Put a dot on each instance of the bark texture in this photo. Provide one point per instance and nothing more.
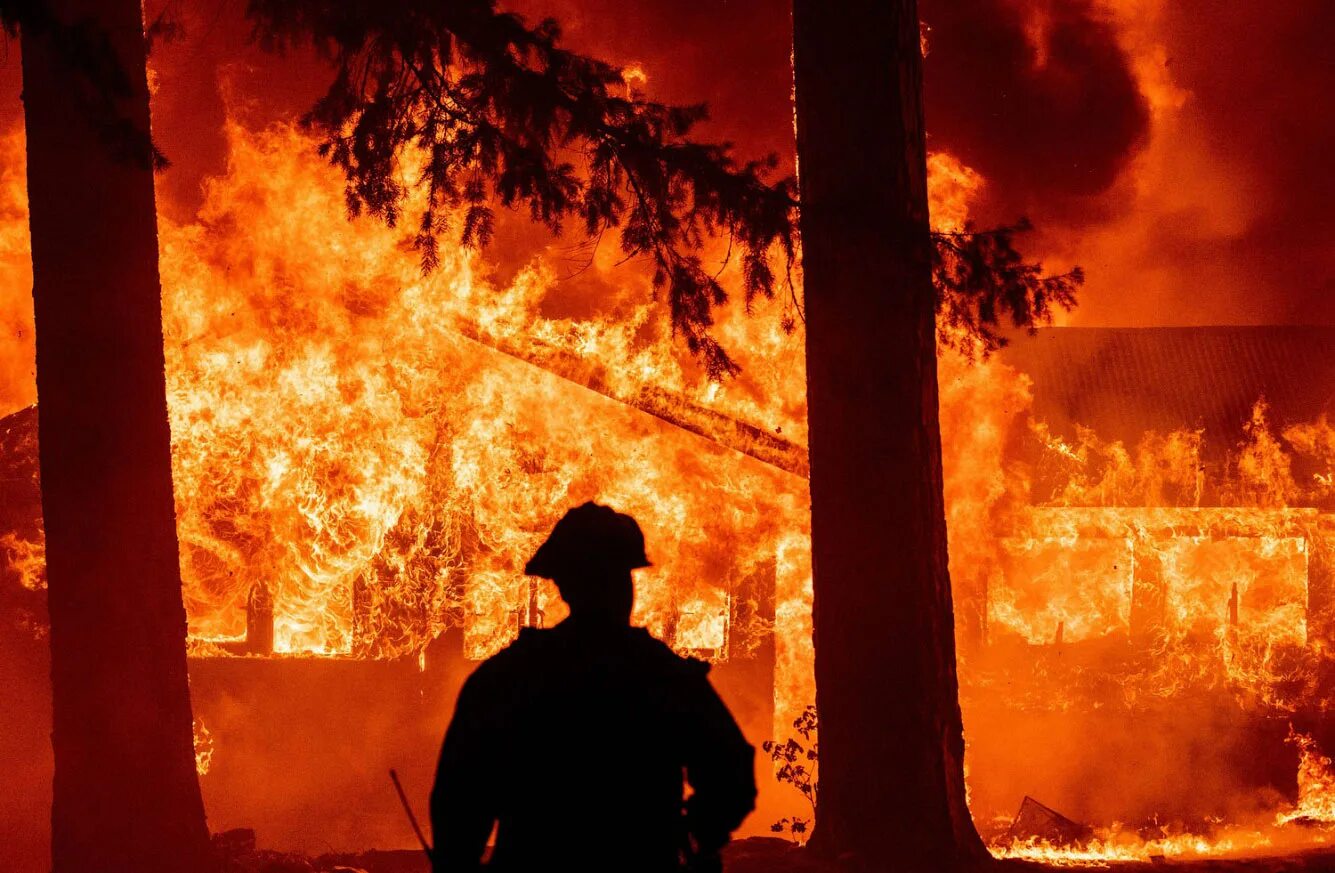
(891, 742)
(126, 796)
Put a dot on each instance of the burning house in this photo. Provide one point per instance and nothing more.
(1179, 428)
(1154, 620)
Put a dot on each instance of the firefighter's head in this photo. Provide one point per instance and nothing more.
(590, 555)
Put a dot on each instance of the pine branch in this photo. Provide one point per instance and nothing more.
(983, 283)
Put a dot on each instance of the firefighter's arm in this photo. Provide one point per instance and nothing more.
(720, 765)
(462, 809)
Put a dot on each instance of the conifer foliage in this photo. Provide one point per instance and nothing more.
(498, 112)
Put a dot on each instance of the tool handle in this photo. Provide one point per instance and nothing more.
(403, 798)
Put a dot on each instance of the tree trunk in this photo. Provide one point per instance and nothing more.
(126, 796)
(891, 742)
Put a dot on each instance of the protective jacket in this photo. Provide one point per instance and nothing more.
(574, 741)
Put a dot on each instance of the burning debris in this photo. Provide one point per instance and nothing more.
(1036, 823)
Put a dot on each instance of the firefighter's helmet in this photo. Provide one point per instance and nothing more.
(589, 537)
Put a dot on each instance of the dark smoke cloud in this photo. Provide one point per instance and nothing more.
(1042, 102)
(1224, 217)
(1261, 76)
(733, 55)
(1213, 211)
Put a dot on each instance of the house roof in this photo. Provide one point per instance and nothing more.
(1123, 382)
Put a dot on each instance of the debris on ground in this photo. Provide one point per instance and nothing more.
(1037, 823)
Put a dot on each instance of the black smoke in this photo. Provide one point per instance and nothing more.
(1042, 102)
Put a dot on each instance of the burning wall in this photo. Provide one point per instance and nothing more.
(1220, 524)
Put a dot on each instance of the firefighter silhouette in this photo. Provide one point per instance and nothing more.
(573, 741)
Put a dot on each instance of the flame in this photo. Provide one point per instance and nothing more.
(1316, 441)
(953, 188)
(636, 79)
(339, 437)
(1316, 784)
(204, 747)
(1115, 844)
(26, 559)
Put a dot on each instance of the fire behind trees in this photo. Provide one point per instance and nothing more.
(485, 105)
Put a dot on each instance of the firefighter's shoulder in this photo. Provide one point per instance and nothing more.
(514, 658)
(652, 651)
(530, 643)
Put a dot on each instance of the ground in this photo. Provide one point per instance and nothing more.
(766, 855)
